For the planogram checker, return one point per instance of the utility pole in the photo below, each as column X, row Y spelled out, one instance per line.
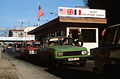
column 21, row 24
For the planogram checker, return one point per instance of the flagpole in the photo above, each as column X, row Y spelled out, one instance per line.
column 38, row 14
column 38, row 22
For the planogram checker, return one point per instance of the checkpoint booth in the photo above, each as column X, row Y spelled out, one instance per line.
column 90, row 22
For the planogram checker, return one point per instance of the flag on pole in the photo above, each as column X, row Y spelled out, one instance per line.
column 40, row 12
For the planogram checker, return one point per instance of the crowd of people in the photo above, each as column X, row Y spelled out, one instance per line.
column 3, row 47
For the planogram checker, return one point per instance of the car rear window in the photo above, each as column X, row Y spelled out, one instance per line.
column 112, row 36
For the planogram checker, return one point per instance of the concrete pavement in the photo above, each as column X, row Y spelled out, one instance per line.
column 12, row 68
column 7, row 70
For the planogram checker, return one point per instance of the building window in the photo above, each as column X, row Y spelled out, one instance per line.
column 89, row 35
column 53, row 34
column 50, row 35
column 59, row 33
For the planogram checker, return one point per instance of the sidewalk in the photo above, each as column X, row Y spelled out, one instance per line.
column 7, row 70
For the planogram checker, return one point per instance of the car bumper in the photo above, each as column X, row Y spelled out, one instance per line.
column 75, row 59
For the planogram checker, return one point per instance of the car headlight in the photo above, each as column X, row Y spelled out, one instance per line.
column 60, row 54
column 31, row 51
column 84, row 52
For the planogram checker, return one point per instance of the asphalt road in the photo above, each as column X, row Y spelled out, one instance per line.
column 32, row 69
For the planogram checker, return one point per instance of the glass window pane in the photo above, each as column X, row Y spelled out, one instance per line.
column 89, row 35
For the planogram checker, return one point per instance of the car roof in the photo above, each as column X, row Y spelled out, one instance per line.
column 112, row 26
column 56, row 37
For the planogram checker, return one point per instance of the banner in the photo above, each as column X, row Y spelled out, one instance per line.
column 81, row 12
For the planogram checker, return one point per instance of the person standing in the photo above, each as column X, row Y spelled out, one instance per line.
column 80, row 38
column 0, row 50
column 70, row 34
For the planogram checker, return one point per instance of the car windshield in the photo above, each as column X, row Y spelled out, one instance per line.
column 36, row 45
column 61, row 41
column 33, row 44
column 111, row 36
column 27, row 45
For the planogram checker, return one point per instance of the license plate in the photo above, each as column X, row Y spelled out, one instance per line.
column 73, row 59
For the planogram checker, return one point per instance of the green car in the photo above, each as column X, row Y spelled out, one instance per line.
column 57, row 51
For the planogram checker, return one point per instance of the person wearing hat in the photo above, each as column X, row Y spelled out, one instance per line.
column 80, row 38
column 70, row 34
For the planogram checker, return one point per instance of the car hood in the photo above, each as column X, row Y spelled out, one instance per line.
column 68, row 48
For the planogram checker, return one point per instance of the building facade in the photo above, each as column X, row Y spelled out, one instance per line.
column 91, row 29
column 17, row 33
column 20, row 35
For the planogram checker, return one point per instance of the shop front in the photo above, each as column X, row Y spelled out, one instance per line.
column 91, row 29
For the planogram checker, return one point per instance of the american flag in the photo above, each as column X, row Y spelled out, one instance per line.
column 40, row 12
column 62, row 11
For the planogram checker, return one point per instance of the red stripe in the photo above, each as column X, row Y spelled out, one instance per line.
column 40, row 13
column 79, row 12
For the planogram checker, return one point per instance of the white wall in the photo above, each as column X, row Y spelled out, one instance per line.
column 88, row 45
column 16, row 38
column 27, row 29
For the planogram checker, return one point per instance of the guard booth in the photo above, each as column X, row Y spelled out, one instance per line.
column 90, row 27
column 91, row 30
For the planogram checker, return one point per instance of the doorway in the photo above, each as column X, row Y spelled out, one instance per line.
column 74, row 33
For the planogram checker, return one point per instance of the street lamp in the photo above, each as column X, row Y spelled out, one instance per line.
column 52, row 13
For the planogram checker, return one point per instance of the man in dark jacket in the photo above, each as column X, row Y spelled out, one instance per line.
column 80, row 38
column 70, row 34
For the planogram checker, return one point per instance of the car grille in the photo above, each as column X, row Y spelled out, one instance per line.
column 72, row 53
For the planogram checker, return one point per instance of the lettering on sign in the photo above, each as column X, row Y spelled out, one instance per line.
column 80, row 12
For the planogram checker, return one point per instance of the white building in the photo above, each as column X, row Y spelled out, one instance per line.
column 21, row 34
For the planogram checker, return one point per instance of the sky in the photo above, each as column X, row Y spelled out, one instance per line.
column 14, row 12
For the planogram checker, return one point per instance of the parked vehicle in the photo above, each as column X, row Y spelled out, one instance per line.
column 9, row 48
column 107, row 56
column 56, row 51
column 17, row 47
column 29, row 48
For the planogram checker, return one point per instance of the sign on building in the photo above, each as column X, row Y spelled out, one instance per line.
column 81, row 12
